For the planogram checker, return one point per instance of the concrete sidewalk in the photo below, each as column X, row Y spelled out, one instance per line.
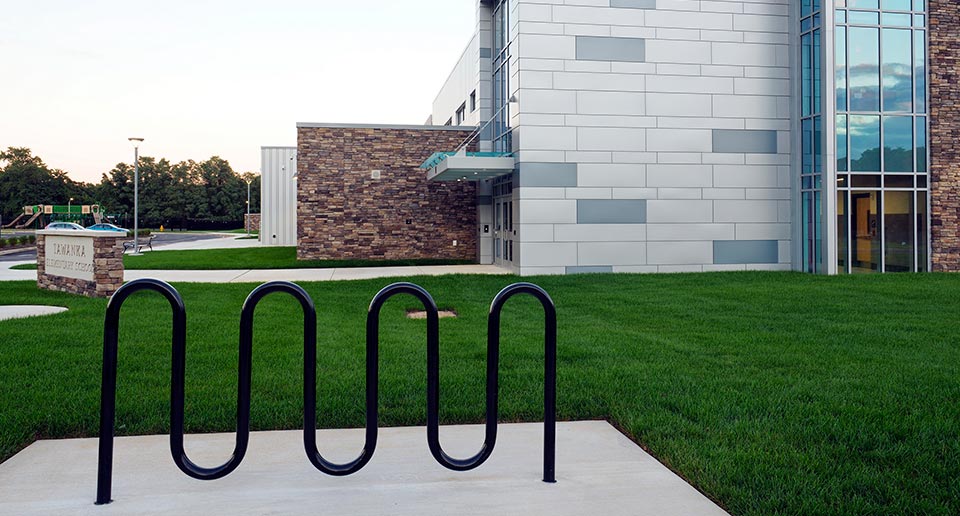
column 234, row 241
column 265, row 275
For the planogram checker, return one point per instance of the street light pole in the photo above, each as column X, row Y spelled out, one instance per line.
column 69, row 208
column 248, row 208
column 136, row 194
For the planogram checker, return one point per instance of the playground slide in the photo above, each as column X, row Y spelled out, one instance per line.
column 14, row 223
column 27, row 223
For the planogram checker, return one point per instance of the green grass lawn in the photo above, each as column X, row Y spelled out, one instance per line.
column 773, row 393
column 248, row 258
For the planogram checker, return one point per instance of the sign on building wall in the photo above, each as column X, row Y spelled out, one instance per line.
column 69, row 257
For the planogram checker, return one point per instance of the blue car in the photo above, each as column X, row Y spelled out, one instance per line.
column 106, row 227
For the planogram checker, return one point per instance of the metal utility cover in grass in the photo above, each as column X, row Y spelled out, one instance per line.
column 599, row 471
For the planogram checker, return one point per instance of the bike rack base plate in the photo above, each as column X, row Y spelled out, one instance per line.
column 599, row 471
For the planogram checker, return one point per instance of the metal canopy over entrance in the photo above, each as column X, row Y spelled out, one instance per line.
column 467, row 166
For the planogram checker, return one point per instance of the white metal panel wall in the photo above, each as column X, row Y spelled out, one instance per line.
column 278, row 196
column 456, row 91
column 672, row 118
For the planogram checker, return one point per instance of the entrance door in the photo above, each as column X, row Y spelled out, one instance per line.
column 865, row 226
column 503, row 230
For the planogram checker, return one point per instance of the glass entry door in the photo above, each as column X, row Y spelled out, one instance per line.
column 503, row 230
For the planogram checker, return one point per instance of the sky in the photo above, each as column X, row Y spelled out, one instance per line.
column 204, row 78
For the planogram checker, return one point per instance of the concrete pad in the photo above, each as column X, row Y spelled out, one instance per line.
column 599, row 471
column 21, row 311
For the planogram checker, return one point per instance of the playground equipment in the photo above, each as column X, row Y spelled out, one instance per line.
column 55, row 212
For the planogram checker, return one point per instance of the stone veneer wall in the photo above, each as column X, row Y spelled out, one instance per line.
column 251, row 222
column 344, row 213
column 107, row 264
column 944, row 22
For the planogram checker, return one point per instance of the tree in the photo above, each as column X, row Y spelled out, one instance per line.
column 170, row 194
column 26, row 180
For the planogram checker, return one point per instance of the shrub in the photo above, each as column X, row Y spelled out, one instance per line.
column 32, row 239
column 3, row 242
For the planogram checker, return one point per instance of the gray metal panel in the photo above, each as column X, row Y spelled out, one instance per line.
column 595, row 48
column 745, row 140
column 727, row 252
column 611, row 211
column 634, row 4
column 589, row 269
column 278, row 196
column 485, row 53
column 548, row 174
column 309, row 125
column 484, row 200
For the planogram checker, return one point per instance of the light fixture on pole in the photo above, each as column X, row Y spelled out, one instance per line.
column 136, row 194
column 69, row 208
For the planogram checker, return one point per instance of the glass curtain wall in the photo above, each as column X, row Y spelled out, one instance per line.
column 811, row 135
column 881, row 128
column 502, row 135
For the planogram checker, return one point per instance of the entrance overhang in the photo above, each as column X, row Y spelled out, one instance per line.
column 467, row 166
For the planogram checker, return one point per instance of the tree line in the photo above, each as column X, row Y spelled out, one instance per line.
column 188, row 194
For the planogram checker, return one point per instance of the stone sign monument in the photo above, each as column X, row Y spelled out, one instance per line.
column 89, row 263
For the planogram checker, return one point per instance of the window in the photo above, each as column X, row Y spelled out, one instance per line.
column 881, row 136
column 811, row 137
column 502, row 136
column 449, row 121
column 473, row 101
column 461, row 114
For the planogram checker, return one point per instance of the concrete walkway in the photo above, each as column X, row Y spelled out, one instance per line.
column 265, row 275
column 231, row 241
column 599, row 471
column 22, row 311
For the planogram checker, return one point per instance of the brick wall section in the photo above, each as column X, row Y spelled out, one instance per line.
column 945, row 133
column 342, row 213
column 107, row 265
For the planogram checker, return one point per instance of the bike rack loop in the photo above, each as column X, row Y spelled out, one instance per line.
column 433, row 376
column 109, row 375
column 549, row 365
column 108, row 391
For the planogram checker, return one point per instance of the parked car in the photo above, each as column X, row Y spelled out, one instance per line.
column 103, row 226
column 64, row 225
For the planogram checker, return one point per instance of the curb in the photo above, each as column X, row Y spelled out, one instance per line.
column 16, row 250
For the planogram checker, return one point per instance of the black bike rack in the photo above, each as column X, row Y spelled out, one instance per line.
column 108, row 392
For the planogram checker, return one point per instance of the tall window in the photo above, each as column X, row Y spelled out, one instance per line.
column 502, row 135
column 881, row 122
column 811, row 135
